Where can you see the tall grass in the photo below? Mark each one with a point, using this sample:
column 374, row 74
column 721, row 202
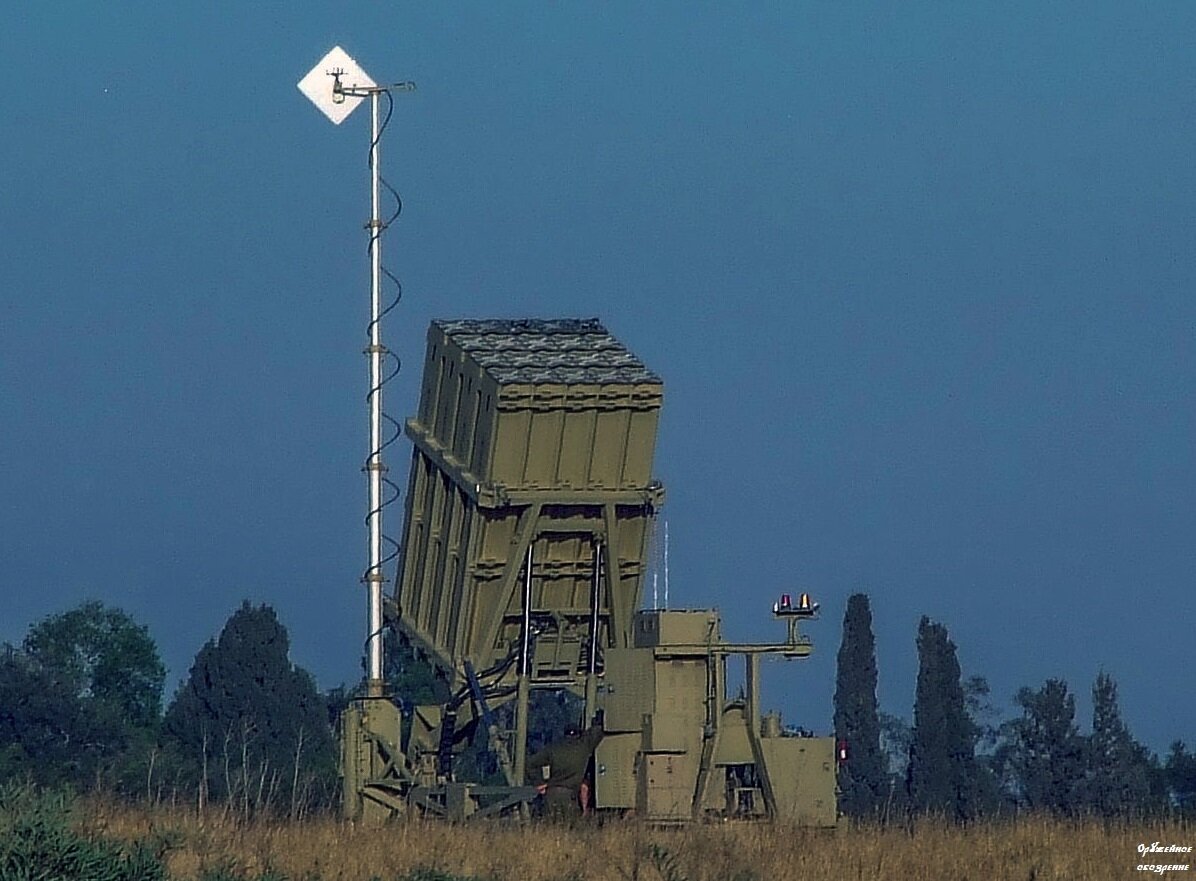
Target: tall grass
column 1026, row 849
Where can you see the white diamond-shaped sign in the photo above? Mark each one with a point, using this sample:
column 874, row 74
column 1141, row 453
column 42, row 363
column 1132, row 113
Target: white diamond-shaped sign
column 317, row 85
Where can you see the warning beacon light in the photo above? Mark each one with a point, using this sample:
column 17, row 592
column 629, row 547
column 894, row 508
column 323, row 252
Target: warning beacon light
column 784, row 608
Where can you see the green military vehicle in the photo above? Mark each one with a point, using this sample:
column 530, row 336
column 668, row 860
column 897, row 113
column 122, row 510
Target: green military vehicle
column 529, row 513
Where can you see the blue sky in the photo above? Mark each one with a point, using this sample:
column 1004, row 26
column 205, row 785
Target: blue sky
column 918, row 279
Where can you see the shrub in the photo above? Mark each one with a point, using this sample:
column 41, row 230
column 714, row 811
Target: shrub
column 38, row 843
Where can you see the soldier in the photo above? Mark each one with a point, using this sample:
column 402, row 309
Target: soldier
column 559, row 771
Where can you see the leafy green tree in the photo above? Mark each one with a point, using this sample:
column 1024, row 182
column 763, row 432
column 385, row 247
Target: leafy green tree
column 986, row 723
column 1119, row 769
column 551, row 712
column 1046, row 750
column 978, row 702
column 896, row 735
column 253, row 725
column 943, row 775
column 39, row 725
column 863, row 781
column 101, row 655
column 413, row 681
column 80, row 701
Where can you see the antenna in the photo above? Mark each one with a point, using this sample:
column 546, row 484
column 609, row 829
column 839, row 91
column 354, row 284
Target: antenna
column 656, row 558
column 666, row 562
column 337, row 85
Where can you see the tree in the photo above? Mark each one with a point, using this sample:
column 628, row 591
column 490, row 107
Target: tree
column 977, row 701
column 39, row 725
column 1046, row 750
column 863, row 781
column 413, row 681
column 942, row 774
column 100, row 654
column 1180, row 772
column 253, row 725
column 896, row 736
column 1119, row 769
column 985, row 721
column 80, row 701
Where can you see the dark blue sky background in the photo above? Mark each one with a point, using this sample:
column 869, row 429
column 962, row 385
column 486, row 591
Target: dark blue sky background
column 919, row 279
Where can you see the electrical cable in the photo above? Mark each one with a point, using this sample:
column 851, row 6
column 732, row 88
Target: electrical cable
column 392, row 363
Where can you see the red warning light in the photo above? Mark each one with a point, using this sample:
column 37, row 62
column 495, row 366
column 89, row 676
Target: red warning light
column 841, row 752
column 804, row 608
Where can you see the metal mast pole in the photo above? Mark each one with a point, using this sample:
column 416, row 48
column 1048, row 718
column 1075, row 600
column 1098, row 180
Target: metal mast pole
column 374, row 466
column 337, row 86
column 523, row 683
column 591, row 697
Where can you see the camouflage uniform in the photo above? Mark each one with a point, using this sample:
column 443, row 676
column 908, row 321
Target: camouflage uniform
column 561, row 768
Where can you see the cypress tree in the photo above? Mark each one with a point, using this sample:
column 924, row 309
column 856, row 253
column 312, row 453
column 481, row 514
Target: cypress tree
column 251, row 723
column 863, row 781
column 942, row 773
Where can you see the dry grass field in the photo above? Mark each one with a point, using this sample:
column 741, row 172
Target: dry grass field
column 1030, row 849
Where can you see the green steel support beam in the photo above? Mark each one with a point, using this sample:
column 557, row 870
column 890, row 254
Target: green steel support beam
column 525, row 533
column 614, row 578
